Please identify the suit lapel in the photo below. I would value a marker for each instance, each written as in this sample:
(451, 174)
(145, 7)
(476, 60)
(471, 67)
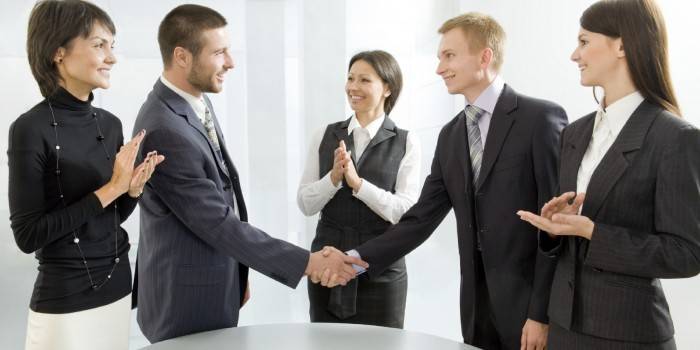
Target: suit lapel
(385, 132)
(342, 134)
(501, 121)
(573, 152)
(619, 156)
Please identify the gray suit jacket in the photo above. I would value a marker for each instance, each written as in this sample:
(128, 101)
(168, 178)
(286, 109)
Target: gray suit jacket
(194, 253)
(643, 198)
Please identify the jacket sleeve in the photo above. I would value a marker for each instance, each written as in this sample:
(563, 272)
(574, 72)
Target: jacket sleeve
(182, 184)
(545, 151)
(416, 225)
(672, 249)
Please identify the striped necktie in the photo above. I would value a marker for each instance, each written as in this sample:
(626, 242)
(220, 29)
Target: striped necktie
(211, 129)
(476, 150)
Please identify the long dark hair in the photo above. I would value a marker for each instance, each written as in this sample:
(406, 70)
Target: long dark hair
(641, 26)
(53, 24)
(388, 70)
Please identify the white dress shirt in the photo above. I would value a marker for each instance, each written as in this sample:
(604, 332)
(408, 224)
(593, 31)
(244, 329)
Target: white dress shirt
(199, 107)
(315, 192)
(607, 126)
(487, 102)
(197, 103)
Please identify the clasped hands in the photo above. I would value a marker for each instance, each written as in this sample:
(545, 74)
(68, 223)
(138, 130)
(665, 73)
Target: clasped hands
(343, 167)
(127, 178)
(560, 217)
(331, 267)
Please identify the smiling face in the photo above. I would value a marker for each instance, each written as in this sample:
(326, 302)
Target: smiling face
(461, 68)
(598, 58)
(210, 66)
(365, 90)
(85, 63)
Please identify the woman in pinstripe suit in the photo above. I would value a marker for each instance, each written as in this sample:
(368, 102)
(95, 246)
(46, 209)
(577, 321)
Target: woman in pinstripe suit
(630, 182)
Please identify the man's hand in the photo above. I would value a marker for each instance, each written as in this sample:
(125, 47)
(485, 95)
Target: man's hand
(246, 296)
(332, 267)
(534, 335)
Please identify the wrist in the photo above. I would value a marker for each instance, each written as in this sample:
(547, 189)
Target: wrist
(335, 179)
(135, 193)
(107, 194)
(588, 232)
(356, 185)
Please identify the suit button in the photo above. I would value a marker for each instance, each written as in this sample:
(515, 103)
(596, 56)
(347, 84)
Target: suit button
(227, 187)
(480, 194)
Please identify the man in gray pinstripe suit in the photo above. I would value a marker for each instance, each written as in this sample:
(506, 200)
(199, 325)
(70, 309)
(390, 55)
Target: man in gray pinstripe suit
(196, 246)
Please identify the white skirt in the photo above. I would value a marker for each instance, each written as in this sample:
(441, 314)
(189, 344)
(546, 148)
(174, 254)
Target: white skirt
(105, 328)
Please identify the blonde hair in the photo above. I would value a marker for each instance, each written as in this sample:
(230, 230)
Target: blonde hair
(483, 31)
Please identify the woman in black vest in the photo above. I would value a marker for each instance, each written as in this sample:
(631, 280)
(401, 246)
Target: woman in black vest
(362, 174)
(630, 178)
(72, 184)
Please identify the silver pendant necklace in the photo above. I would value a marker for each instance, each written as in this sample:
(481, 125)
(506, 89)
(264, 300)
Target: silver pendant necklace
(76, 240)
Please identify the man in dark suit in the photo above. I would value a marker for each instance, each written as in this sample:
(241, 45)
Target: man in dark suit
(498, 155)
(196, 246)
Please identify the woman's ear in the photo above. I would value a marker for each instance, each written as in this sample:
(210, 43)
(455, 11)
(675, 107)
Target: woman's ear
(60, 53)
(620, 48)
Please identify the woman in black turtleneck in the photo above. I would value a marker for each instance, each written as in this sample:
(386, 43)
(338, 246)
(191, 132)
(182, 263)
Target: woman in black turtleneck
(72, 184)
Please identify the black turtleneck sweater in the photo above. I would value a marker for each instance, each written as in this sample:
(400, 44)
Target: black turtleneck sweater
(40, 221)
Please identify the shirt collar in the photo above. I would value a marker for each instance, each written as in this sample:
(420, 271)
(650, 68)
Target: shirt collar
(372, 128)
(489, 97)
(618, 113)
(197, 104)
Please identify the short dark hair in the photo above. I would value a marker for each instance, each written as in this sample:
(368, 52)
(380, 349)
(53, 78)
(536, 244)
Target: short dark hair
(183, 27)
(52, 25)
(641, 26)
(388, 70)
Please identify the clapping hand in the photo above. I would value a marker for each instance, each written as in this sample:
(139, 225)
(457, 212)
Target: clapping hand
(560, 217)
(143, 173)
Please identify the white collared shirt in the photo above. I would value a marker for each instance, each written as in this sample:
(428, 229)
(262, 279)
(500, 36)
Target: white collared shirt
(487, 102)
(197, 103)
(314, 192)
(362, 136)
(607, 126)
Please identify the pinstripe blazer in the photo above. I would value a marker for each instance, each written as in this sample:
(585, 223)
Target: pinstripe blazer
(644, 198)
(194, 253)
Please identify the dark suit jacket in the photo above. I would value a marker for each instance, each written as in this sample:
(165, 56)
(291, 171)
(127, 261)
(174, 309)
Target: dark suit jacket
(519, 170)
(643, 197)
(194, 253)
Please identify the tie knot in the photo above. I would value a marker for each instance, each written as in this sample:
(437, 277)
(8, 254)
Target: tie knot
(473, 113)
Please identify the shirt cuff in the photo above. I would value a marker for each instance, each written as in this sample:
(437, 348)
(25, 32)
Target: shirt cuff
(358, 269)
(368, 192)
(327, 185)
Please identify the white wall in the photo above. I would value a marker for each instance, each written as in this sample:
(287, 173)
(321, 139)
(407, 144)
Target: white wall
(291, 58)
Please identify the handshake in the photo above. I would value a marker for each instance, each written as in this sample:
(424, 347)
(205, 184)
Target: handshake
(331, 267)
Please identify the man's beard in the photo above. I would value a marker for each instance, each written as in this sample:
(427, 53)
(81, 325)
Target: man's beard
(199, 79)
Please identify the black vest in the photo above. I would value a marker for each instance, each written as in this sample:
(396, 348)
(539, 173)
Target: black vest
(379, 164)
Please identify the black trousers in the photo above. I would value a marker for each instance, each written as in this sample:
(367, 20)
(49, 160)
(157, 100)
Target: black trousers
(486, 335)
(560, 338)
